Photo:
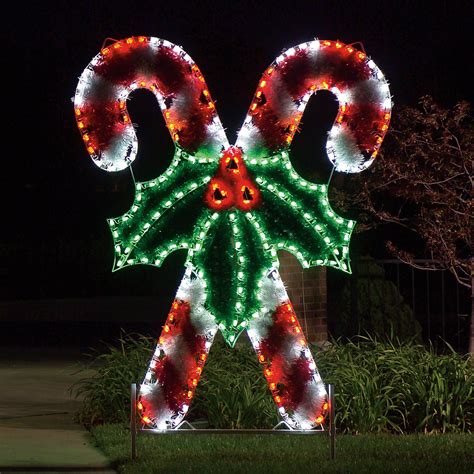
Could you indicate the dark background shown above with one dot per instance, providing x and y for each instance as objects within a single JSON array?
[{"x": 55, "y": 244}]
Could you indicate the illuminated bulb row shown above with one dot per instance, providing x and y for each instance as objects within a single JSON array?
[
  {"x": 258, "y": 94},
  {"x": 197, "y": 73},
  {"x": 262, "y": 233},
  {"x": 162, "y": 253},
  {"x": 199, "y": 238},
  {"x": 167, "y": 205},
  {"x": 322, "y": 85},
  {"x": 202, "y": 227},
  {"x": 174, "y": 168},
  {"x": 342, "y": 261},
  {"x": 118, "y": 45},
  {"x": 242, "y": 261},
  {"x": 294, "y": 204},
  {"x": 274, "y": 160},
  {"x": 193, "y": 159},
  {"x": 193, "y": 381},
  {"x": 312, "y": 46},
  {"x": 360, "y": 56},
  {"x": 85, "y": 80},
  {"x": 305, "y": 260},
  {"x": 384, "y": 88},
  {"x": 241, "y": 290},
  {"x": 170, "y": 171},
  {"x": 282, "y": 160}
]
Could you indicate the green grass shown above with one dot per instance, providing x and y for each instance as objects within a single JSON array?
[{"x": 253, "y": 454}]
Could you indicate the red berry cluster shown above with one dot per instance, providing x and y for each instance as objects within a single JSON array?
[{"x": 231, "y": 186}]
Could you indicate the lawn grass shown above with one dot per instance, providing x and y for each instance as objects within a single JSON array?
[{"x": 253, "y": 454}]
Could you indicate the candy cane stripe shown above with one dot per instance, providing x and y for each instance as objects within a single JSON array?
[
  {"x": 165, "y": 70},
  {"x": 290, "y": 81},
  {"x": 179, "y": 358},
  {"x": 287, "y": 362}
]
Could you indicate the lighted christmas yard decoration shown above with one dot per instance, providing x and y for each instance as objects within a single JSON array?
[{"x": 232, "y": 207}]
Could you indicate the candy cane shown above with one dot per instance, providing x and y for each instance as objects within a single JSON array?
[
  {"x": 290, "y": 81},
  {"x": 353, "y": 143},
  {"x": 190, "y": 116},
  {"x": 242, "y": 198}
]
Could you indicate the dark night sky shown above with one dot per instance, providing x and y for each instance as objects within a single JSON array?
[{"x": 54, "y": 241}]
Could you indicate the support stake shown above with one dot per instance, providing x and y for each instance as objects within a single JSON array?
[
  {"x": 332, "y": 425},
  {"x": 133, "y": 419}
]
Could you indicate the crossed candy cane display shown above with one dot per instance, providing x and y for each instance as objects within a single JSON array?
[{"x": 231, "y": 207}]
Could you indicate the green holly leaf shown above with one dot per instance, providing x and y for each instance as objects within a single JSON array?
[
  {"x": 296, "y": 216},
  {"x": 232, "y": 262},
  {"x": 163, "y": 215}
]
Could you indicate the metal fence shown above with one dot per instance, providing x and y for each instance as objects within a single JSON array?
[{"x": 440, "y": 305}]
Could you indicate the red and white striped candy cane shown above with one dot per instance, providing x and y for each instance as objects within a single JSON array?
[
  {"x": 353, "y": 142},
  {"x": 288, "y": 365},
  {"x": 167, "y": 71},
  {"x": 179, "y": 357}
]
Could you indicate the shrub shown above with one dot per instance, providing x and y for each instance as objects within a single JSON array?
[
  {"x": 380, "y": 386},
  {"x": 106, "y": 394},
  {"x": 400, "y": 387},
  {"x": 233, "y": 392},
  {"x": 380, "y": 307}
]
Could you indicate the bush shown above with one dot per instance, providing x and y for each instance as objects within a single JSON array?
[
  {"x": 399, "y": 387},
  {"x": 106, "y": 394},
  {"x": 233, "y": 392},
  {"x": 379, "y": 306},
  {"x": 380, "y": 386}
]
